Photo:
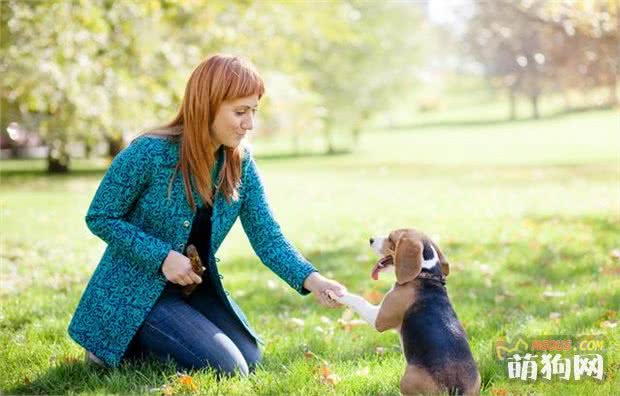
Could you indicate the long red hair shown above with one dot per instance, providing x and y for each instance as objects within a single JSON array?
[{"x": 215, "y": 80}]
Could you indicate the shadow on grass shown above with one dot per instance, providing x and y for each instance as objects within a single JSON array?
[{"x": 75, "y": 376}]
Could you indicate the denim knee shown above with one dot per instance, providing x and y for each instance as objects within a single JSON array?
[{"x": 253, "y": 358}]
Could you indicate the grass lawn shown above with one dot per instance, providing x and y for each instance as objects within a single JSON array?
[{"x": 528, "y": 214}]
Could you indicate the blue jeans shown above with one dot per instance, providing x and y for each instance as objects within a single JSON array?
[{"x": 196, "y": 332}]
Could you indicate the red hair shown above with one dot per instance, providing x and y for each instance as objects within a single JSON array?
[{"x": 217, "y": 79}]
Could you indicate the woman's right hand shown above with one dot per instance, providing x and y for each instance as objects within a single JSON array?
[{"x": 178, "y": 269}]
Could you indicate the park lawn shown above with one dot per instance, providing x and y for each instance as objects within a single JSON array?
[{"x": 528, "y": 214}]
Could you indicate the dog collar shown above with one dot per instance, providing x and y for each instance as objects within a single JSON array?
[{"x": 438, "y": 278}]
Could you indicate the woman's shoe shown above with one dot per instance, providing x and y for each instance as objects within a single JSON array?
[{"x": 90, "y": 358}]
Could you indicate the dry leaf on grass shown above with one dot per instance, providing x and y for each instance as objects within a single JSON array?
[
  {"x": 308, "y": 354},
  {"x": 188, "y": 382},
  {"x": 348, "y": 325},
  {"x": 327, "y": 377},
  {"x": 167, "y": 390}
]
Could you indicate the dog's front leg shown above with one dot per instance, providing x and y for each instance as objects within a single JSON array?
[{"x": 366, "y": 310}]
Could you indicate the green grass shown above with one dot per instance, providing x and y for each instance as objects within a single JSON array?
[{"x": 519, "y": 209}]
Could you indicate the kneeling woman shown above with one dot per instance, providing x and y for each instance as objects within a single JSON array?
[{"x": 185, "y": 183}]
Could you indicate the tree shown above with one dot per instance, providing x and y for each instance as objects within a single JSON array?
[{"x": 539, "y": 46}]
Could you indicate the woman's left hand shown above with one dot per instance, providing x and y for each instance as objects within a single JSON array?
[{"x": 319, "y": 285}]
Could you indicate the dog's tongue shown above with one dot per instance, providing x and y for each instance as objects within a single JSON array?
[{"x": 379, "y": 265}]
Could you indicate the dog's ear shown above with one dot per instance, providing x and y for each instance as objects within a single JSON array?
[
  {"x": 443, "y": 263},
  {"x": 407, "y": 259}
]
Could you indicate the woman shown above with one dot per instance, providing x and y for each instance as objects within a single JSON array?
[{"x": 192, "y": 172}]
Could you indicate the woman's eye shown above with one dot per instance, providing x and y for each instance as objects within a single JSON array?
[{"x": 239, "y": 113}]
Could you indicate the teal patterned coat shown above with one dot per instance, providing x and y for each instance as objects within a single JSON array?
[{"x": 131, "y": 212}]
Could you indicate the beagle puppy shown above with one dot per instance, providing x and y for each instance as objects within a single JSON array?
[{"x": 433, "y": 340}]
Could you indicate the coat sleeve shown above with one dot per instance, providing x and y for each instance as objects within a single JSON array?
[
  {"x": 265, "y": 234},
  {"x": 119, "y": 190}
]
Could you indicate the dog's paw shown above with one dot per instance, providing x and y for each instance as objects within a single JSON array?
[{"x": 332, "y": 295}]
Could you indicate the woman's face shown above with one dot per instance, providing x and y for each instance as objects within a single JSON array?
[{"x": 233, "y": 120}]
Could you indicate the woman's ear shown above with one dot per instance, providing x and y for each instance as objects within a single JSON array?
[
  {"x": 407, "y": 259},
  {"x": 443, "y": 263}
]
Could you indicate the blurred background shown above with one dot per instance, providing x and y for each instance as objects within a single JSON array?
[
  {"x": 491, "y": 125},
  {"x": 79, "y": 78}
]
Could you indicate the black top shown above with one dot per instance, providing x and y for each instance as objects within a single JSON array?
[{"x": 200, "y": 237}]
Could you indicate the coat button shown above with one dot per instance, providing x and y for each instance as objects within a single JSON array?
[
  {"x": 186, "y": 223},
  {"x": 180, "y": 246}
]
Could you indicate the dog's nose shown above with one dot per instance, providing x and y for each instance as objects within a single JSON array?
[{"x": 371, "y": 240}]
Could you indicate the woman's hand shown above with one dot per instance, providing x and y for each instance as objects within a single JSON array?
[
  {"x": 178, "y": 269},
  {"x": 319, "y": 285}
]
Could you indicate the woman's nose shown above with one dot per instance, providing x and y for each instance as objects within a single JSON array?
[{"x": 248, "y": 123}]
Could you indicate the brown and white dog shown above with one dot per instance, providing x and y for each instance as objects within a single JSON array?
[{"x": 433, "y": 340}]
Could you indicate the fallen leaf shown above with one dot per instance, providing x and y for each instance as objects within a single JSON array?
[
  {"x": 188, "y": 382},
  {"x": 613, "y": 270},
  {"x": 500, "y": 392},
  {"x": 348, "y": 325},
  {"x": 380, "y": 351},
  {"x": 70, "y": 359},
  {"x": 167, "y": 390},
  {"x": 611, "y": 324},
  {"x": 610, "y": 314},
  {"x": 327, "y": 377}
]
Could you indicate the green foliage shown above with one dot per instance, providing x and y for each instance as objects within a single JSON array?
[{"x": 93, "y": 70}]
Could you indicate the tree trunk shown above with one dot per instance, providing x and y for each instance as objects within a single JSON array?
[
  {"x": 567, "y": 103},
  {"x": 357, "y": 128},
  {"x": 296, "y": 140},
  {"x": 328, "y": 137},
  {"x": 534, "y": 100},
  {"x": 88, "y": 150},
  {"x": 513, "y": 104},
  {"x": 57, "y": 157},
  {"x": 115, "y": 145}
]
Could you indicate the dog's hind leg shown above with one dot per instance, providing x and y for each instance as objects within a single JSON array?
[{"x": 418, "y": 381}]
